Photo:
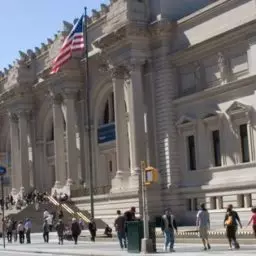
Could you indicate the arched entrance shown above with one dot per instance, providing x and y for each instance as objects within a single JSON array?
[{"x": 105, "y": 142}]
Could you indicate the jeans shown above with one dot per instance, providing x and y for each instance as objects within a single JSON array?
[
  {"x": 9, "y": 236},
  {"x": 21, "y": 236},
  {"x": 46, "y": 237},
  {"x": 28, "y": 236},
  {"x": 169, "y": 238},
  {"x": 122, "y": 237}
]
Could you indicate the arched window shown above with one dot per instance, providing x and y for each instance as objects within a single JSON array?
[{"x": 109, "y": 110}]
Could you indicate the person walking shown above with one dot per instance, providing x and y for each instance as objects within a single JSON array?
[
  {"x": 75, "y": 230},
  {"x": 253, "y": 221},
  {"x": 168, "y": 225},
  {"x": 203, "y": 224},
  {"x": 60, "y": 227},
  {"x": 231, "y": 221},
  {"x": 20, "y": 231},
  {"x": 93, "y": 229},
  {"x": 120, "y": 229},
  {"x": 50, "y": 221},
  {"x": 46, "y": 230},
  {"x": 28, "y": 227},
  {"x": 9, "y": 227}
]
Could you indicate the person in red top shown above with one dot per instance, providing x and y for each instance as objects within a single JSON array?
[{"x": 253, "y": 220}]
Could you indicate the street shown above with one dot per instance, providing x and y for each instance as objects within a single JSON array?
[{"x": 110, "y": 248}]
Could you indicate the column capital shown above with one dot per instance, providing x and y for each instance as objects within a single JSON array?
[
  {"x": 55, "y": 98},
  {"x": 69, "y": 93},
  {"x": 24, "y": 113},
  {"x": 13, "y": 117},
  {"x": 135, "y": 64}
]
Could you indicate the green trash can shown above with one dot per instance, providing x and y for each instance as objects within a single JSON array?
[
  {"x": 135, "y": 233},
  {"x": 134, "y": 236}
]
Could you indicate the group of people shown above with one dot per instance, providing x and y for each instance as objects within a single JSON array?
[
  {"x": 231, "y": 222},
  {"x": 169, "y": 226},
  {"x": 19, "y": 229}
]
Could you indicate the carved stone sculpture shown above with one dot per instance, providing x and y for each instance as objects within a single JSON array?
[{"x": 223, "y": 67}]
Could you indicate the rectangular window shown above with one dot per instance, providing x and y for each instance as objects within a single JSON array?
[
  {"x": 216, "y": 147},
  {"x": 189, "y": 205},
  {"x": 195, "y": 204},
  {"x": 244, "y": 143},
  {"x": 191, "y": 152},
  {"x": 213, "y": 201}
]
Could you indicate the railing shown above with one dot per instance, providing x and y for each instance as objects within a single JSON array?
[
  {"x": 103, "y": 190},
  {"x": 68, "y": 209}
]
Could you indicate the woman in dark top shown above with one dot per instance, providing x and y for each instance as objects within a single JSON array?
[{"x": 230, "y": 222}]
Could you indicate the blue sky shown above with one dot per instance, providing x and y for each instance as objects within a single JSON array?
[{"x": 25, "y": 24}]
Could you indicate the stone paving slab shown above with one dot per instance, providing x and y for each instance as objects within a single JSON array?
[{"x": 112, "y": 249}]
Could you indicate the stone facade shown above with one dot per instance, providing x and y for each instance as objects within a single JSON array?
[{"x": 179, "y": 94}]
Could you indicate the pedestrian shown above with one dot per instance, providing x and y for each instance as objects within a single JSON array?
[
  {"x": 60, "y": 227},
  {"x": 46, "y": 231},
  {"x": 168, "y": 225},
  {"x": 28, "y": 227},
  {"x": 253, "y": 221},
  {"x": 75, "y": 229},
  {"x": 46, "y": 213},
  {"x": 93, "y": 229},
  {"x": 20, "y": 231},
  {"x": 108, "y": 231},
  {"x": 120, "y": 229},
  {"x": 9, "y": 227},
  {"x": 203, "y": 224},
  {"x": 14, "y": 230},
  {"x": 231, "y": 222},
  {"x": 50, "y": 221}
]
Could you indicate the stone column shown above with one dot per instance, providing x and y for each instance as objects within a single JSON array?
[
  {"x": 71, "y": 126},
  {"x": 122, "y": 151},
  {"x": 24, "y": 157},
  {"x": 14, "y": 136},
  {"x": 58, "y": 121},
  {"x": 136, "y": 122}
]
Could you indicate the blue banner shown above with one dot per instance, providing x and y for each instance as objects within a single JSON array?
[{"x": 106, "y": 133}]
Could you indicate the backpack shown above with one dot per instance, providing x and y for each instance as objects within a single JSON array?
[{"x": 229, "y": 221}]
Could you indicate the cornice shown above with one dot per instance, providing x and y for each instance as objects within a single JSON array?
[
  {"x": 126, "y": 32},
  {"x": 213, "y": 91},
  {"x": 197, "y": 51},
  {"x": 208, "y": 11}
]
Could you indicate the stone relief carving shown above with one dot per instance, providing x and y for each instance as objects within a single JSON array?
[
  {"x": 20, "y": 74},
  {"x": 223, "y": 67}
]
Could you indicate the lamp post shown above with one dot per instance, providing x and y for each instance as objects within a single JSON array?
[{"x": 2, "y": 173}]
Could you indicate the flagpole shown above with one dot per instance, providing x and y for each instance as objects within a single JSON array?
[{"x": 88, "y": 113}]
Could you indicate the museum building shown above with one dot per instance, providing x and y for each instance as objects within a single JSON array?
[{"x": 172, "y": 83}]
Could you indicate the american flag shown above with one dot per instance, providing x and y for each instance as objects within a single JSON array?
[{"x": 73, "y": 42}]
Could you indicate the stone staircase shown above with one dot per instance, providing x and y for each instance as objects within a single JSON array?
[{"x": 69, "y": 209}]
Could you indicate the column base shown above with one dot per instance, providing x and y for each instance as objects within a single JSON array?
[
  {"x": 134, "y": 180},
  {"x": 147, "y": 245},
  {"x": 57, "y": 184},
  {"x": 120, "y": 182}
]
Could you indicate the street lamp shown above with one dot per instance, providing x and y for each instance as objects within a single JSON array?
[
  {"x": 2, "y": 173},
  {"x": 149, "y": 176}
]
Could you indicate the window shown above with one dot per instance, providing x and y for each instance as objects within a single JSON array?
[
  {"x": 191, "y": 152},
  {"x": 216, "y": 147},
  {"x": 213, "y": 201},
  {"x": 189, "y": 204},
  {"x": 244, "y": 143},
  {"x": 240, "y": 201},
  {"x": 195, "y": 204},
  {"x": 110, "y": 164}
]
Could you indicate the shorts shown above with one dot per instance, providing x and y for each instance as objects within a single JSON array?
[{"x": 203, "y": 232}]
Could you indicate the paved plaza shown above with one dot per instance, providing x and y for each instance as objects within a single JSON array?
[{"x": 109, "y": 248}]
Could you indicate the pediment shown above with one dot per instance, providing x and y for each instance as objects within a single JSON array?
[
  {"x": 237, "y": 108},
  {"x": 185, "y": 120},
  {"x": 212, "y": 115}
]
